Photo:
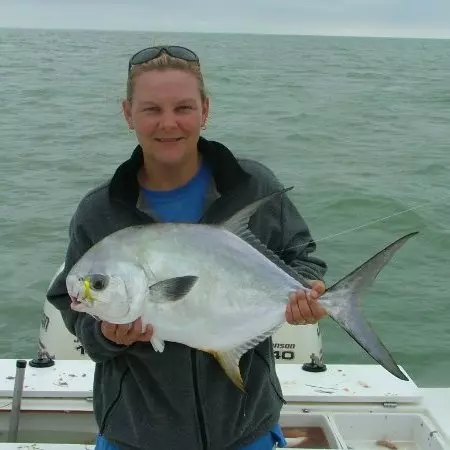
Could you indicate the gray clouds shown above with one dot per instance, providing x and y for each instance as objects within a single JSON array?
[{"x": 422, "y": 18}]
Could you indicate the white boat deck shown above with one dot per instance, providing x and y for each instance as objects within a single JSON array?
[
  {"x": 339, "y": 383},
  {"x": 344, "y": 395}
]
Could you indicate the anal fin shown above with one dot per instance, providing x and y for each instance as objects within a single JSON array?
[
  {"x": 230, "y": 364},
  {"x": 229, "y": 359}
]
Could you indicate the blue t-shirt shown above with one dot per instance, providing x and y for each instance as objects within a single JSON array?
[{"x": 183, "y": 204}]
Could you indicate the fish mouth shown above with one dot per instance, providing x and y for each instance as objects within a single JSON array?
[{"x": 77, "y": 303}]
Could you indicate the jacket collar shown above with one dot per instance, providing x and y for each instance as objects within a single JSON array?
[{"x": 225, "y": 168}]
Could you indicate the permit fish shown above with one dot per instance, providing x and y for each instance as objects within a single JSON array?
[{"x": 215, "y": 288}]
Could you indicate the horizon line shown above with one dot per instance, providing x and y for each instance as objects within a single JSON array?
[{"x": 252, "y": 33}]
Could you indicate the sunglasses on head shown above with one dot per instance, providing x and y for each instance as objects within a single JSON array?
[{"x": 147, "y": 54}]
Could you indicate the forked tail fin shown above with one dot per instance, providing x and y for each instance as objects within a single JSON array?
[{"x": 343, "y": 302}]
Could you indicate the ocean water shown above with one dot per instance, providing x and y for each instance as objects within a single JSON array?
[{"x": 359, "y": 127}]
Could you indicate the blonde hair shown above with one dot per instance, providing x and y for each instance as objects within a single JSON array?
[{"x": 165, "y": 62}]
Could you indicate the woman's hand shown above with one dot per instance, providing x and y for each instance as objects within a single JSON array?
[
  {"x": 303, "y": 307},
  {"x": 126, "y": 334}
]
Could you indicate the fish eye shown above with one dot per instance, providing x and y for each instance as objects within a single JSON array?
[{"x": 98, "y": 282}]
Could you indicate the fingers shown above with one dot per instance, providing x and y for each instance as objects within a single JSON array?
[
  {"x": 317, "y": 288},
  {"x": 127, "y": 334},
  {"x": 122, "y": 336},
  {"x": 290, "y": 318},
  {"x": 146, "y": 334},
  {"x": 299, "y": 308},
  {"x": 303, "y": 308},
  {"x": 108, "y": 330}
]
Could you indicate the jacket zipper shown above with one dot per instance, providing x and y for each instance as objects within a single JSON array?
[
  {"x": 113, "y": 403},
  {"x": 280, "y": 396},
  {"x": 198, "y": 403}
]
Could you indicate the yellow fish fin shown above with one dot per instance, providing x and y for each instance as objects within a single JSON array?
[
  {"x": 230, "y": 364},
  {"x": 229, "y": 359}
]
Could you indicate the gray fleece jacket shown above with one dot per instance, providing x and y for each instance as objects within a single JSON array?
[{"x": 181, "y": 398}]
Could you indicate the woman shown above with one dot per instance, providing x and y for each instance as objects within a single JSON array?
[{"x": 180, "y": 398}]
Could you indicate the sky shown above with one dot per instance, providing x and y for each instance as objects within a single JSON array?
[{"x": 396, "y": 18}]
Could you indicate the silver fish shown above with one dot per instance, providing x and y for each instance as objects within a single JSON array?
[{"x": 215, "y": 288}]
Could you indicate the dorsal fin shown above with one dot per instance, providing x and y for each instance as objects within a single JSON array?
[
  {"x": 251, "y": 239},
  {"x": 238, "y": 224}
]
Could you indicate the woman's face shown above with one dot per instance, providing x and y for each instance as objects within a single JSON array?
[{"x": 167, "y": 113}]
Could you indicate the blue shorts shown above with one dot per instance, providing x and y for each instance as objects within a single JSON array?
[{"x": 266, "y": 442}]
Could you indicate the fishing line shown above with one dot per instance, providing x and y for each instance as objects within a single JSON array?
[{"x": 421, "y": 205}]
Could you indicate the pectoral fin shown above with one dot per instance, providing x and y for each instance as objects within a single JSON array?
[{"x": 172, "y": 289}]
